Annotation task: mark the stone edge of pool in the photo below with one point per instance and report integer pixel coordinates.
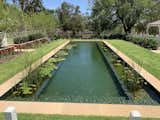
(81, 109)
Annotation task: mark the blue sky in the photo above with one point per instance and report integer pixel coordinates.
(53, 4)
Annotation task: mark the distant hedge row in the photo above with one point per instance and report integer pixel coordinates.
(28, 38)
(149, 43)
(145, 42)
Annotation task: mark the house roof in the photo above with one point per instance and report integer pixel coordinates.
(156, 23)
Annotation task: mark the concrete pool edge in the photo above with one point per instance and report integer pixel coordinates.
(81, 109)
(10, 83)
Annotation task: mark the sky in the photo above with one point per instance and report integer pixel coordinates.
(53, 4)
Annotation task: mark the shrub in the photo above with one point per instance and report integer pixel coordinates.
(35, 36)
(117, 36)
(153, 30)
(104, 36)
(28, 38)
(148, 43)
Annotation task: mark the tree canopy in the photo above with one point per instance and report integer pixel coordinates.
(108, 13)
(70, 17)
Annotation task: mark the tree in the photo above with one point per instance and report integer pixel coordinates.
(30, 6)
(44, 22)
(70, 17)
(126, 12)
(103, 17)
(8, 20)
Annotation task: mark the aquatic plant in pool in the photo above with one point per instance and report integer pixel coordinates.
(136, 85)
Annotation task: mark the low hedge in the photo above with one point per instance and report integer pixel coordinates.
(28, 38)
(145, 42)
(112, 36)
(149, 43)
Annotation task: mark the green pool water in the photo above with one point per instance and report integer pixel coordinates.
(83, 77)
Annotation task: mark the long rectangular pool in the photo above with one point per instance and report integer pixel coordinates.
(83, 77)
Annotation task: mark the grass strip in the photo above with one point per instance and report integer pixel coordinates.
(11, 68)
(144, 57)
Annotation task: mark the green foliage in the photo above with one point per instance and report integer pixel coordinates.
(29, 6)
(107, 14)
(141, 27)
(28, 38)
(24, 89)
(145, 42)
(45, 69)
(70, 18)
(132, 80)
(44, 22)
(8, 18)
(34, 79)
(56, 59)
(144, 57)
(153, 30)
(61, 54)
(16, 65)
(12, 19)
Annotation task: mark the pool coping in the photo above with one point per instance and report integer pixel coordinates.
(152, 80)
(10, 83)
(84, 109)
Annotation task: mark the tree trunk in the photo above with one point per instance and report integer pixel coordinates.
(127, 29)
(4, 41)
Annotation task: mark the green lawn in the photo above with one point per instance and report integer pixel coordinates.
(9, 69)
(144, 57)
(64, 117)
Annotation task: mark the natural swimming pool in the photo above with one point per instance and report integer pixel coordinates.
(87, 75)
(83, 77)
